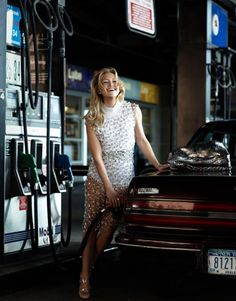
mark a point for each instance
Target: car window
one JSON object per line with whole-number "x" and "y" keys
{"x": 228, "y": 139}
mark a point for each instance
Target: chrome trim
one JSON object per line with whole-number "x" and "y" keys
{"x": 158, "y": 248}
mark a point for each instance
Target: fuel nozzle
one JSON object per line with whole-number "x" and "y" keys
{"x": 27, "y": 165}
{"x": 63, "y": 166}
{"x": 37, "y": 151}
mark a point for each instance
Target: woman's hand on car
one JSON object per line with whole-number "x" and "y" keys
{"x": 163, "y": 167}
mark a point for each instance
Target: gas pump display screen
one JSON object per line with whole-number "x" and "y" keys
{"x": 13, "y": 26}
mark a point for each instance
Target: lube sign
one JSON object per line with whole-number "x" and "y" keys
{"x": 141, "y": 16}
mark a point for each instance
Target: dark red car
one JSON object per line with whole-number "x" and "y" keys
{"x": 187, "y": 211}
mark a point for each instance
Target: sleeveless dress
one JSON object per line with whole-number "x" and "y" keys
{"x": 117, "y": 139}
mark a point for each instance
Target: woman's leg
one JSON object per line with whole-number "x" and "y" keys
{"x": 92, "y": 208}
{"x": 109, "y": 224}
{"x": 88, "y": 255}
{"x": 87, "y": 262}
{"x": 103, "y": 239}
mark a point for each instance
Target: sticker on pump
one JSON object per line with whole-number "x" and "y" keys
{"x": 23, "y": 203}
{"x": 148, "y": 190}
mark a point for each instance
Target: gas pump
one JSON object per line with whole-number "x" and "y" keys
{"x": 36, "y": 171}
{"x": 223, "y": 81}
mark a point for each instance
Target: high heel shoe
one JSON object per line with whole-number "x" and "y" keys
{"x": 84, "y": 288}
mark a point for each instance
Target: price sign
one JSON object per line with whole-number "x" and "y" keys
{"x": 13, "y": 26}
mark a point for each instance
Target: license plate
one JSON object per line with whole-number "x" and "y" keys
{"x": 222, "y": 262}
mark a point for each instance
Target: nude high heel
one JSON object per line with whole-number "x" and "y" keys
{"x": 84, "y": 288}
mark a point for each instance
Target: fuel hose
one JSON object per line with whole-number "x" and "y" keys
{"x": 116, "y": 212}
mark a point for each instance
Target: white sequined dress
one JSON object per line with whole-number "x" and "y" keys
{"x": 117, "y": 139}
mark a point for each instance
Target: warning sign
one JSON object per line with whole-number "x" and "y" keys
{"x": 141, "y": 16}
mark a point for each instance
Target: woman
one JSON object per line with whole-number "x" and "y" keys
{"x": 113, "y": 126}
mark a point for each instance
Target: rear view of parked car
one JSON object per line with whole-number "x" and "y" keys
{"x": 188, "y": 209}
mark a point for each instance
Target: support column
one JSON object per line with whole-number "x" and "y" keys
{"x": 191, "y": 73}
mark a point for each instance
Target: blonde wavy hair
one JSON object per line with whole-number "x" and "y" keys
{"x": 95, "y": 115}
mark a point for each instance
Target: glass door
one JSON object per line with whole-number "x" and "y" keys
{"x": 75, "y": 144}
